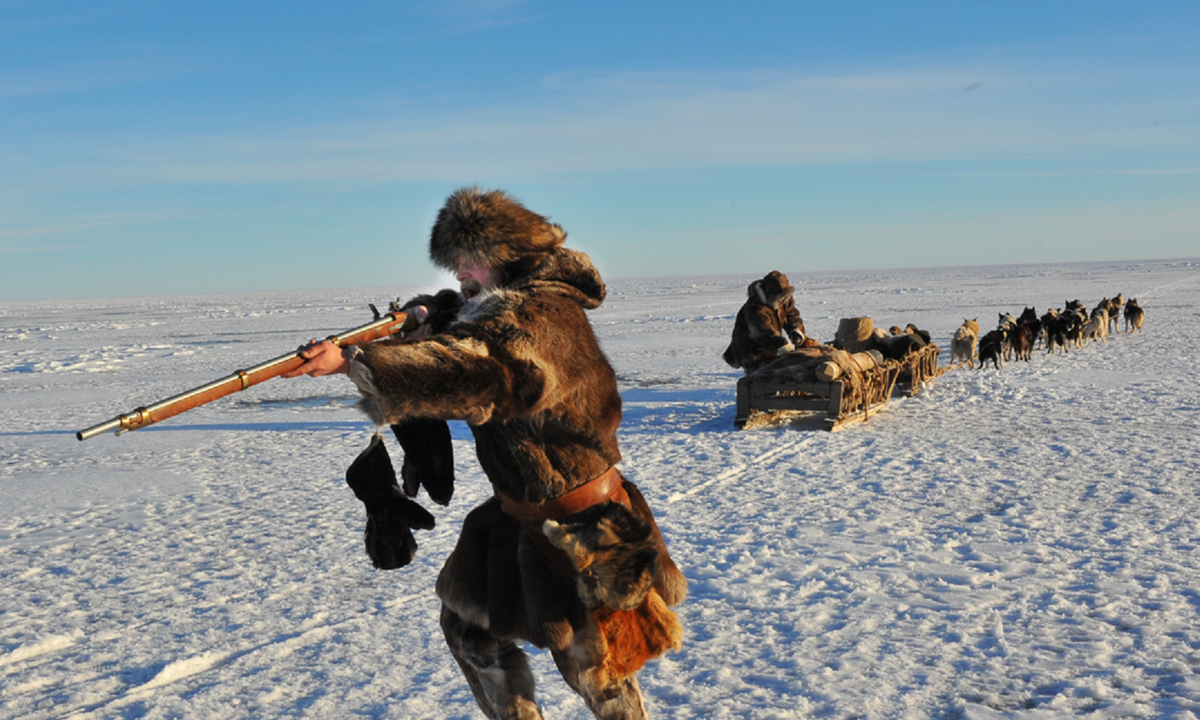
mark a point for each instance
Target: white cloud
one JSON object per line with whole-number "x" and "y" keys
{"x": 653, "y": 121}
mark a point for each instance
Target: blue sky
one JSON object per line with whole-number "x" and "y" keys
{"x": 167, "y": 148}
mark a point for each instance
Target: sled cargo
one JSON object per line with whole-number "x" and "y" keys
{"x": 851, "y": 398}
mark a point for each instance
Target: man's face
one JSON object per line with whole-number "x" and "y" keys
{"x": 473, "y": 278}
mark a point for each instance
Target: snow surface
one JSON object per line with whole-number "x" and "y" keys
{"x": 1008, "y": 544}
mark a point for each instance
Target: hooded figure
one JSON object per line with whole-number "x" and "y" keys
{"x": 566, "y": 554}
{"x": 767, "y": 325}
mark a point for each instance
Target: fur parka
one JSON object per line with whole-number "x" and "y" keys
{"x": 521, "y": 365}
{"x": 767, "y": 325}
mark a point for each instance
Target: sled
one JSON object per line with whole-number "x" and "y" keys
{"x": 840, "y": 403}
{"x": 918, "y": 370}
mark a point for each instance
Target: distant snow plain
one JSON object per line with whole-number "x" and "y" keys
{"x": 1021, "y": 543}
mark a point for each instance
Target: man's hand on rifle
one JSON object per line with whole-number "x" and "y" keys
{"x": 321, "y": 358}
{"x": 420, "y": 313}
{"x": 324, "y": 358}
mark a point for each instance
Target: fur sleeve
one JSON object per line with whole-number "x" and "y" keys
{"x": 764, "y": 327}
{"x": 442, "y": 377}
{"x": 792, "y": 324}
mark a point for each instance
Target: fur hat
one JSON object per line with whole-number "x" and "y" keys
{"x": 490, "y": 227}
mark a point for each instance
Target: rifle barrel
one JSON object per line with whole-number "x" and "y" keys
{"x": 385, "y": 326}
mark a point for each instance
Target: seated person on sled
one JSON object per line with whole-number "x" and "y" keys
{"x": 768, "y": 325}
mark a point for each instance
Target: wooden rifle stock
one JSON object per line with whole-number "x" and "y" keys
{"x": 383, "y": 326}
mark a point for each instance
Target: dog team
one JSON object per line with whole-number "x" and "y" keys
{"x": 1018, "y": 337}
{"x": 768, "y": 325}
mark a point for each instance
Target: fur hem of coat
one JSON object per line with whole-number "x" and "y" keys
{"x": 627, "y": 639}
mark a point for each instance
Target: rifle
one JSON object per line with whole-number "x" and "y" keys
{"x": 382, "y": 326}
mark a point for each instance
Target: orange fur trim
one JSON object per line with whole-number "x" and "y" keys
{"x": 631, "y": 637}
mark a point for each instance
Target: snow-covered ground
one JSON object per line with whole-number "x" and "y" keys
{"x": 1022, "y": 543}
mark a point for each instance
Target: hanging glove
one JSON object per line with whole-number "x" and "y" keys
{"x": 391, "y": 516}
{"x": 428, "y": 458}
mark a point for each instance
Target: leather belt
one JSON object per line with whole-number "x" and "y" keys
{"x": 606, "y": 486}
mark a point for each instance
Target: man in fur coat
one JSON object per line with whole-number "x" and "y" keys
{"x": 767, "y": 325}
{"x": 566, "y": 554}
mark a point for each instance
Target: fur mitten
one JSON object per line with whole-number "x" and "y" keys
{"x": 442, "y": 307}
{"x": 428, "y": 458}
{"x": 391, "y": 516}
